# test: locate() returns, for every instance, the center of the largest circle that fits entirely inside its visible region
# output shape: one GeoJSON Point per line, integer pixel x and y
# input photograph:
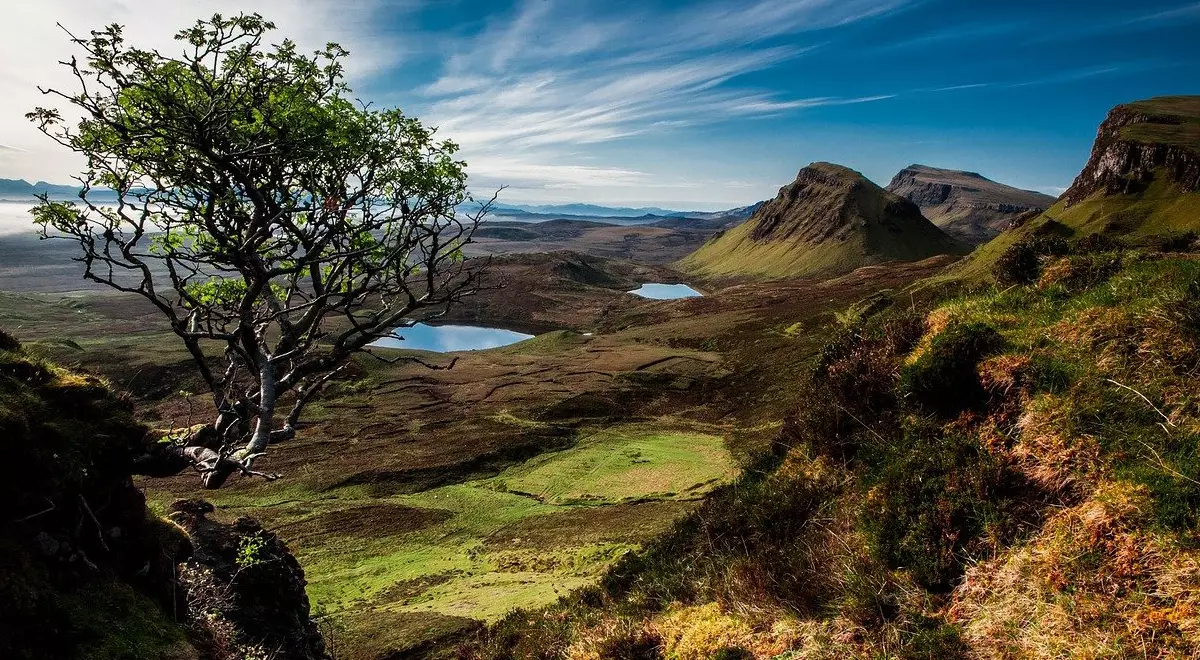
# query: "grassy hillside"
{"type": "Point", "coordinates": [1184, 130]}
{"type": "Point", "coordinates": [77, 580]}
{"type": "Point", "coordinates": [831, 220]}
{"type": "Point", "coordinates": [1158, 213]}
{"type": "Point", "coordinates": [1011, 474]}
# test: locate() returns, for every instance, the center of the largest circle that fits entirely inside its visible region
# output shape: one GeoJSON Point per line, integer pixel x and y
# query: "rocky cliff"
{"type": "Point", "coordinates": [965, 205]}
{"type": "Point", "coordinates": [1137, 142]}
{"type": "Point", "coordinates": [830, 220]}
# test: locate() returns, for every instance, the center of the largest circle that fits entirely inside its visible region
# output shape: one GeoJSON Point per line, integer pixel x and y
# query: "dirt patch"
{"type": "Point", "coordinates": [406, 590]}
{"type": "Point", "coordinates": [396, 635]}
{"type": "Point", "coordinates": [620, 523]}
{"type": "Point", "coordinates": [369, 521]}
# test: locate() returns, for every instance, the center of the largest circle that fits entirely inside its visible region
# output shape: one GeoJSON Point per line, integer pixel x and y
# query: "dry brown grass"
{"type": "Point", "coordinates": [1096, 582]}
{"type": "Point", "coordinates": [1047, 450]}
{"type": "Point", "coordinates": [1057, 270]}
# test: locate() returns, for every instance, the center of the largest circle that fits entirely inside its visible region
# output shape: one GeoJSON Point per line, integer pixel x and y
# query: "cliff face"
{"type": "Point", "coordinates": [965, 205]}
{"type": "Point", "coordinates": [1136, 141]}
{"type": "Point", "coordinates": [830, 220]}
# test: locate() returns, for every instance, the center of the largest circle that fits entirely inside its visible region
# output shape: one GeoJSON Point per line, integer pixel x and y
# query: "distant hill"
{"type": "Point", "coordinates": [966, 205]}
{"type": "Point", "coordinates": [618, 215]}
{"type": "Point", "coordinates": [830, 220]}
{"type": "Point", "coordinates": [1141, 181]}
{"type": "Point", "coordinates": [24, 188]}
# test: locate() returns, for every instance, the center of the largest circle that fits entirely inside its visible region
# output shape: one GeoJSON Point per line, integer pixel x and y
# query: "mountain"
{"type": "Point", "coordinates": [1141, 183]}
{"type": "Point", "coordinates": [24, 188]}
{"type": "Point", "coordinates": [830, 220]}
{"type": "Point", "coordinates": [965, 205]}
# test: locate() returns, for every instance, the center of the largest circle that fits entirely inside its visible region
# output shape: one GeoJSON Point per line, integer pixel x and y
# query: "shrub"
{"type": "Point", "coordinates": [934, 641]}
{"type": "Point", "coordinates": [944, 379]}
{"type": "Point", "coordinates": [1093, 243]}
{"type": "Point", "coordinates": [1079, 272]}
{"type": "Point", "coordinates": [630, 645]}
{"type": "Point", "coordinates": [1017, 265]}
{"type": "Point", "coordinates": [1021, 262]}
{"type": "Point", "coordinates": [854, 381]}
{"type": "Point", "coordinates": [932, 502]}
{"type": "Point", "coordinates": [1175, 242]}
{"type": "Point", "coordinates": [8, 342]}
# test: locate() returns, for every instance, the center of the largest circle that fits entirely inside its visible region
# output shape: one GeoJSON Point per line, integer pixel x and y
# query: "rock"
{"type": "Point", "coordinates": [829, 221]}
{"type": "Point", "coordinates": [245, 590]}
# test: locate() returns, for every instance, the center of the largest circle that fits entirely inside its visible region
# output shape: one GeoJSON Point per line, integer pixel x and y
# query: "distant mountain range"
{"type": "Point", "coordinates": [611, 214]}
{"type": "Point", "coordinates": [21, 187]}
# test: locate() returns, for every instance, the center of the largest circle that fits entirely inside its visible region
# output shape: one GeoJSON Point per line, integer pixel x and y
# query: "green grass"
{"type": "Point", "coordinates": [615, 466]}
{"type": "Point", "coordinates": [518, 540]}
{"type": "Point", "coordinates": [1160, 209]}
{"type": "Point", "coordinates": [1186, 133]}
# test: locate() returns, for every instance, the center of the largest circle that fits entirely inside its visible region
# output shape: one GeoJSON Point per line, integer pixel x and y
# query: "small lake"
{"type": "Point", "coordinates": [449, 338]}
{"type": "Point", "coordinates": [666, 291]}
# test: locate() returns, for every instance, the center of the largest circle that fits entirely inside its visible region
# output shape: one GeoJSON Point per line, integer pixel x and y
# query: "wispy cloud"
{"type": "Point", "coordinates": [555, 74]}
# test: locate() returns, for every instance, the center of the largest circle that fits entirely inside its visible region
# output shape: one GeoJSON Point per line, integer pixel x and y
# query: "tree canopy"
{"type": "Point", "coordinates": [277, 223]}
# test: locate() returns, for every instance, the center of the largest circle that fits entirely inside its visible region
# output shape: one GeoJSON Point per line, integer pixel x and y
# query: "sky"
{"type": "Point", "coordinates": [705, 104]}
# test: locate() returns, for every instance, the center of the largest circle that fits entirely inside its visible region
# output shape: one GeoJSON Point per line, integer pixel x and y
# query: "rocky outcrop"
{"type": "Point", "coordinates": [829, 202]}
{"type": "Point", "coordinates": [965, 205]}
{"type": "Point", "coordinates": [1139, 140]}
{"type": "Point", "coordinates": [245, 590]}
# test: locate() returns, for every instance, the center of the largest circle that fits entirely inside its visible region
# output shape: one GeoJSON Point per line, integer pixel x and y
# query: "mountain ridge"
{"type": "Point", "coordinates": [966, 205]}
{"type": "Point", "coordinates": [830, 220]}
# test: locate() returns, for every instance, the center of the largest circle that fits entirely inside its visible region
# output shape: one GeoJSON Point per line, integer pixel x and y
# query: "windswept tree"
{"type": "Point", "coordinates": [278, 224]}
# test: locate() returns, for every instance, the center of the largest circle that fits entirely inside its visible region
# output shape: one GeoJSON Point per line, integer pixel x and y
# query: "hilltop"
{"type": "Point", "coordinates": [1140, 185]}
{"type": "Point", "coordinates": [830, 220]}
{"type": "Point", "coordinates": [966, 205]}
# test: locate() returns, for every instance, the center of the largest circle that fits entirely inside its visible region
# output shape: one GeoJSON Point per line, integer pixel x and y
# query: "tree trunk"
{"type": "Point", "coordinates": [266, 414]}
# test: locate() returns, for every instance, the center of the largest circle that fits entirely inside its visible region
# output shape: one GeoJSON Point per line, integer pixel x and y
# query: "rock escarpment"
{"type": "Point", "coordinates": [830, 220]}
{"type": "Point", "coordinates": [1136, 142]}
{"type": "Point", "coordinates": [244, 589]}
{"type": "Point", "coordinates": [966, 205]}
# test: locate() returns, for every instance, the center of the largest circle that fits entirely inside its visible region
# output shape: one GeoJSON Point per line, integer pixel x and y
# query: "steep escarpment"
{"type": "Point", "coordinates": [88, 572]}
{"type": "Point", "coordinates": [965, 205]}
{"type": "Point", "coordinates": [830, 220]}
{"type": "Point", "coordinates": [1140, 142]}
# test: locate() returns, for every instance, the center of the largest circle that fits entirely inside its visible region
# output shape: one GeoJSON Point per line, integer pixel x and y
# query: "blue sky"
{"type": "Point", "coordinates": [716, 103]}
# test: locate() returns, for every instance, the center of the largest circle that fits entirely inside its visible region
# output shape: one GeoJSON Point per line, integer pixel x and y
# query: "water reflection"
{"type": "Point", "coordinates": [666, 291]}
{"type": "Point", "coordinates": [448, 338]}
